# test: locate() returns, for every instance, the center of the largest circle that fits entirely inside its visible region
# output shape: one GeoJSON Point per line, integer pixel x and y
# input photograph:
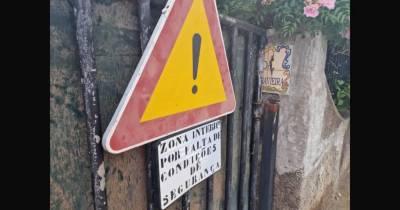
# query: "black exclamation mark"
{"type": "Point", "coordinates": [196, 42]}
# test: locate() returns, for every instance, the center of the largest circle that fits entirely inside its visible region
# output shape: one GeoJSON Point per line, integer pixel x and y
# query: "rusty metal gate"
{"type": "Point", "coordinates": [245, 180]}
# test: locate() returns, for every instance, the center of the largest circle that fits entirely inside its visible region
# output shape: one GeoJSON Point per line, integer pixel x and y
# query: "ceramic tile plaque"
{"type": "Point", "coordinates": [275, 75]}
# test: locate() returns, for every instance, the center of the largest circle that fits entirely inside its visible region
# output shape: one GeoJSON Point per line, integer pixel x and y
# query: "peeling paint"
{"type": "Point", "coordinates": [164, 11]}
{"type": "Point", "coordinates": [101, 173]}
{"type": "Point", "coordinates": [97, 138]}
{"type": "Point", "coordinates": [84, 38]}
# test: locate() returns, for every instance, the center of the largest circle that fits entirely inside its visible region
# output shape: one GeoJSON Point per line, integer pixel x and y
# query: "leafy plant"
{"type": "Point", "coordinates": [342, 98]}
{"type": "Point", "coordinates": [293, 17]}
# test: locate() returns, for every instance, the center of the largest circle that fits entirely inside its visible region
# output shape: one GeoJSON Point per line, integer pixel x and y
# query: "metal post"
{"type": "Point", "coordinates": [229, 199]}
{"type": "Point", "coordinates": [209, 196]}
{"type": "Point", "coordinates": [269, 137]}
{"type": "Point", "coordinates": [84, 36]}
{"type": "Point", "coordinates": [185, 201]}
{"type": "Point", "coordinates": [247, 124]}
{"type": "Point", "coordinates": [146, 28]}
{"type": "Point", "coordinates": [255, 141]}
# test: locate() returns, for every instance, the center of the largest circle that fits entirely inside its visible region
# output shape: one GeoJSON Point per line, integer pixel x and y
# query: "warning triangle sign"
{"type": "Point", "coordinates": [174, 90]}
{"type": "Point", "coordinates": [181, 81]}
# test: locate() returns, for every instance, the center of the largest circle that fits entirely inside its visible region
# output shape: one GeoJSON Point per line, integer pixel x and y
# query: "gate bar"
{"type": "Point", "coordinates": [210, 190]}
{"type": "Point", "coordinates": [233, 22]}
{"type": "Point", "coordinates": [185, 202]}
{"type": "Point", "coordinates": [269, 136]}
{"type": "Point", "coordinates": [257, 115]}
{"type": "Point", "coordinates": [228, 183]}
{"type": "Point", "coordinates": [146, 28]}
{"type": "Point", "coordinates": [84, 36]}
{"type": "Point", "coordinates": [145, 19]}
{"type": "Point", "coordinates": [246, 127]}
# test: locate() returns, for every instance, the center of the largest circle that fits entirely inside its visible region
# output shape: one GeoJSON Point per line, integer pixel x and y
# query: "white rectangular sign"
{"type": "Point", "coordinates": [187, 159]}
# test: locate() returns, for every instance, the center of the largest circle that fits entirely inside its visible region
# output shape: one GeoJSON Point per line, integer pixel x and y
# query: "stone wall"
{"type": "Point", "coordinates": [311, 132]}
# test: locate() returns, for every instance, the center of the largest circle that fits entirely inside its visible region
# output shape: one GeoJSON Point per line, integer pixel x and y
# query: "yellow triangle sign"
{"type": "Point", "coordinates": [191, 77]}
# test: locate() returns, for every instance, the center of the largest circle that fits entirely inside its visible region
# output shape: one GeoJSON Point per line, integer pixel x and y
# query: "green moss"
{"type": "Point", "coordinates": [112, 40]}
{"type": "Point", "coordinates": [78, 113]}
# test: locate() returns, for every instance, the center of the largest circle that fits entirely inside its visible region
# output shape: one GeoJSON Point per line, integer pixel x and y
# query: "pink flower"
{"type": "Point", "coordinates": [311, 10]}
{"type": "Point", "coordinates": [330, 4]}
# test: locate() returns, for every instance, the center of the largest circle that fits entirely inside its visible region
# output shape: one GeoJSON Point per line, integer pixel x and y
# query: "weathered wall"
{"type": "Point", "coordinates": [69, 161]}
{"type": "Point", "coordinates": [117, 51]}
{"type": "Point", "coordinates": [311, 132]}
